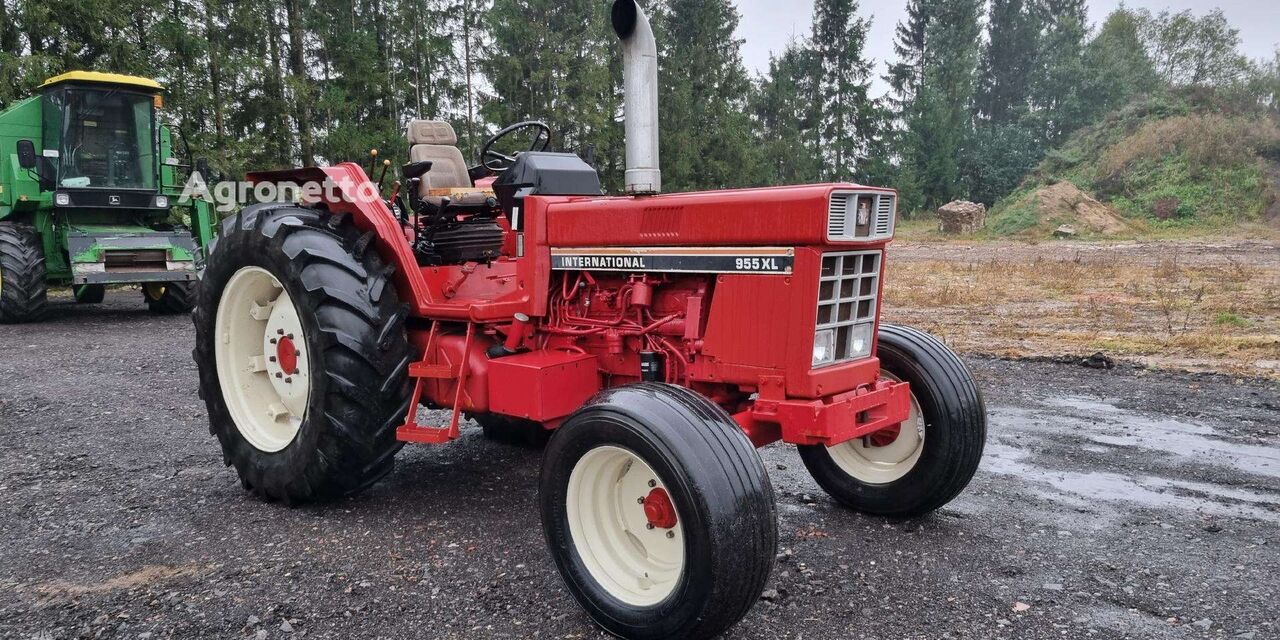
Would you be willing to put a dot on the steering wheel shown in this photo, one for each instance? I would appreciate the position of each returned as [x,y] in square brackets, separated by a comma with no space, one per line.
[499,162]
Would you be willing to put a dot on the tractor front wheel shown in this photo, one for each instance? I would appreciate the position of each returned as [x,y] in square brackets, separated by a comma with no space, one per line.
[89,293]
[23,289]
[923,463]
[169,297]
[658,513]
[303,354]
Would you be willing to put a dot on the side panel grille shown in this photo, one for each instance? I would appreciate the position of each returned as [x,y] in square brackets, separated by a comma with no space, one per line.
[860,216]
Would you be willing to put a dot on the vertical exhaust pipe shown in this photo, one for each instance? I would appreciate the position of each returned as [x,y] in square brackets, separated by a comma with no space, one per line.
[640,84]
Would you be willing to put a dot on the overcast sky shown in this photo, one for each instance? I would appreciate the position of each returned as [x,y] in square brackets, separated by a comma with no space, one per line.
[767,25]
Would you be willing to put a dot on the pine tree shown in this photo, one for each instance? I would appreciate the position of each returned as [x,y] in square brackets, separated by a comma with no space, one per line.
[785,106]
[1008,60]
[706,133]
[1059,72]
[941,122]
[906,76]
[1116,65]
[844,75]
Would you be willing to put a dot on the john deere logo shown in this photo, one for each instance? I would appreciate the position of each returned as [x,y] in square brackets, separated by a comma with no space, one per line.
[113,199]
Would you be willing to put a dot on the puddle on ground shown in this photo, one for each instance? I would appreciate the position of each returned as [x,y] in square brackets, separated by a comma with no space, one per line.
[1106,424]
[1087,489]
[1110,429]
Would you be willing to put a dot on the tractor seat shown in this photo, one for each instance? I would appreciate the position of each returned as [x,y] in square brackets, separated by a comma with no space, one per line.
[435,140]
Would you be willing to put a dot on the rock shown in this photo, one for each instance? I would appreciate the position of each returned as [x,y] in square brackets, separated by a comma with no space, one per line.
[1064,231]
[1203,623]
[1098,360]
[769,595]
[1052,586]
[962,216]
[252,621]
[1021,606]
[286,627]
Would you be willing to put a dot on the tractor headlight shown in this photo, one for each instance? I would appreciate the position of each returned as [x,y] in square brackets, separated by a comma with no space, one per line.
[62,199]
[824,347]
[162,202]
[860,340]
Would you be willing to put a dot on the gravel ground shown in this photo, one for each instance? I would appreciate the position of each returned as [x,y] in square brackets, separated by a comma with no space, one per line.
[1110,504]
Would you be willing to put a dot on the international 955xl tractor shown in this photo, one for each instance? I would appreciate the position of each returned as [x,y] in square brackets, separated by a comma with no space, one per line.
[88,184]
[660,338]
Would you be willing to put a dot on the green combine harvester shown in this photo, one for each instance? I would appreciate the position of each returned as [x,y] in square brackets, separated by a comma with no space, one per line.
[88,188]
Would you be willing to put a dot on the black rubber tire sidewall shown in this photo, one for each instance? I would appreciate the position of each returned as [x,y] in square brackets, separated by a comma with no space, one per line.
[718,585]
[89,293]
[23,283]
[178,298]
[955,431]
[324,461]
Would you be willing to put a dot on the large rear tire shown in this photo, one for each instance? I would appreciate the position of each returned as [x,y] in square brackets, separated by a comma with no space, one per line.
[658,513]
[169,297]
[303,354]
[925,462]
[23,288]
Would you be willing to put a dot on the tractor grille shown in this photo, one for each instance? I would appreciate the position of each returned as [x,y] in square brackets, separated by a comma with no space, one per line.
[860,216]
[847,295]
[136,260]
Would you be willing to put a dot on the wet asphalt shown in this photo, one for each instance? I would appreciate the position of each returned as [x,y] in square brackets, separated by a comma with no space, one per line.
[1121,503]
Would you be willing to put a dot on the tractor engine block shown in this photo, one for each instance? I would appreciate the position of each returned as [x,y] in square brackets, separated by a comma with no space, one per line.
[624,319]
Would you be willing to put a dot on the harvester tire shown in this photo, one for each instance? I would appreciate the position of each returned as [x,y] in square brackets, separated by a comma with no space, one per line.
[658,513]
[23,288]
[947,432]
[169,297]
[353,343]
[513,431]
[89,293]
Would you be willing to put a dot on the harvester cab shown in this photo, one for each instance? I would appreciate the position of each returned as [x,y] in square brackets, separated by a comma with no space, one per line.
[87,195]
[661,338]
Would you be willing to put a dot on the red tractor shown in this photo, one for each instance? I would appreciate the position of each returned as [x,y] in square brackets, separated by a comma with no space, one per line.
[660,338]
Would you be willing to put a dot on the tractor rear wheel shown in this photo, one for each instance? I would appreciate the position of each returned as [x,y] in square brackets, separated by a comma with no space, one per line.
[513,431]
[303,354]
[658,512]
[89,293]
[924,462]
[23,289]
[169,297]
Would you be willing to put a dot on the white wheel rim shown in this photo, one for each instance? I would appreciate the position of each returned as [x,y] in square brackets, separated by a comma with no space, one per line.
[635,563]
[883,464]
[255,326]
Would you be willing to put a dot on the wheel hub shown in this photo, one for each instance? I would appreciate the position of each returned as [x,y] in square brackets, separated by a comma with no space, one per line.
[659,510]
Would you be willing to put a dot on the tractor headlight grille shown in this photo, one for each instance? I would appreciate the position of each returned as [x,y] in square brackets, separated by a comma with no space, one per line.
[860,216]
[847,295]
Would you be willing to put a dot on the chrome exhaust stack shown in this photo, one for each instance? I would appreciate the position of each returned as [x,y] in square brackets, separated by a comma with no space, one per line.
[640,84]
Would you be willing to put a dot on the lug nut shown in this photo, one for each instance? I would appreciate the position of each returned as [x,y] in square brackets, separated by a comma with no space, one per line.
[653,483]
[280,332]
[297,371]
[288,380]
[648,525]
[272,358]
[297,353]
[273,341]
[639,500]
[290,336]
[671,534]
[279,375]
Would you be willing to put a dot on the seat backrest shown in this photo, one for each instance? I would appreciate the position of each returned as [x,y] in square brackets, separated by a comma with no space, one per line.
[435,140]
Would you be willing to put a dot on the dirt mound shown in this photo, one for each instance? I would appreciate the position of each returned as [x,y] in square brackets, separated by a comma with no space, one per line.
[1064,203]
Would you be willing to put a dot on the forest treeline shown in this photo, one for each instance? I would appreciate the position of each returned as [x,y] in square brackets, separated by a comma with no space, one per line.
[979,91]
